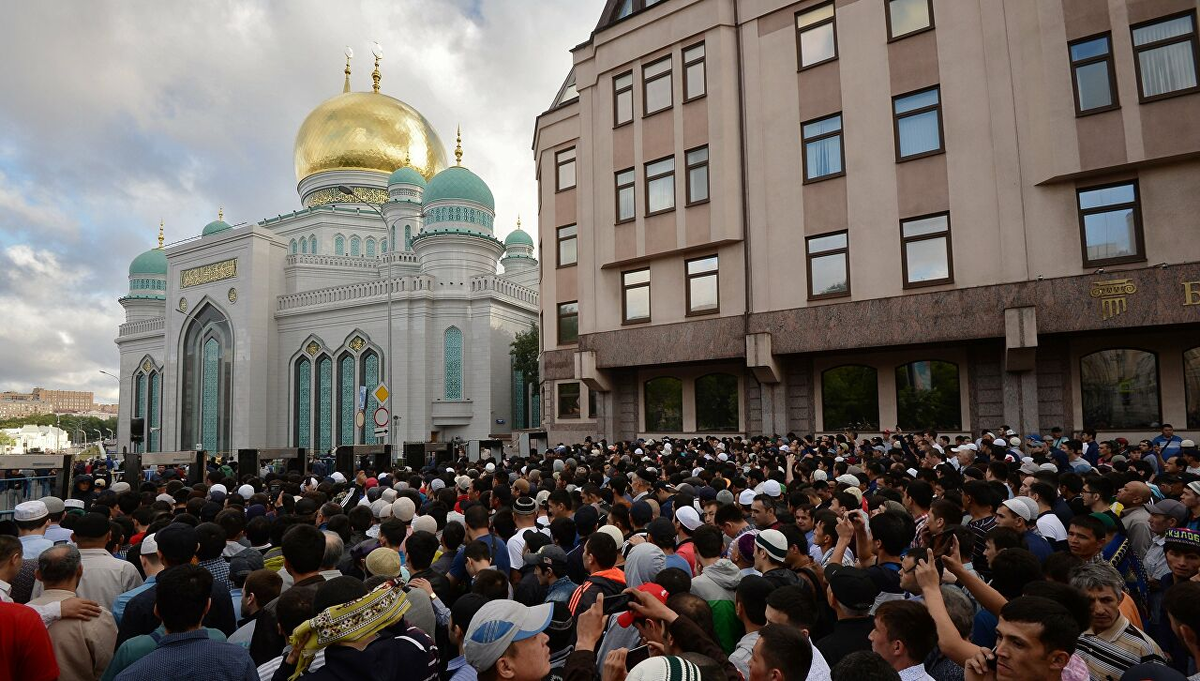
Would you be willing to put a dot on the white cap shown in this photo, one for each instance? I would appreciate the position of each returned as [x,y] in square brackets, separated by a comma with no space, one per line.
[490,467]
[722,456]
[847,479]
[338,477]
[245,492]
[772,489]
[784,448]
[78,503]
[687,516]
[1022,506]
[1187,444]
[121,486]
[149,545]
[1014,442]
[819,475]
[217,488]
[746,497]
[30,511]
[162,497]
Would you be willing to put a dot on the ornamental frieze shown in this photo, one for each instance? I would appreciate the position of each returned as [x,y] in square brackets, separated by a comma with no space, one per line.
[206,274]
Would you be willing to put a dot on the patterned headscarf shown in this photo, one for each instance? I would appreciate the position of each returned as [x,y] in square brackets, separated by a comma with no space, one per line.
[349,622]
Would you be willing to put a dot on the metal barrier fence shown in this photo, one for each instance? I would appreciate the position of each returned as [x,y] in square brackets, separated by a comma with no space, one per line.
[14,491]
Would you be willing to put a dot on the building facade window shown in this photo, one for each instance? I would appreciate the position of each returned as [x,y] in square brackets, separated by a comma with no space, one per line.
[918,124]
[154,437]
[694,85]
[696,161]
[567,238]
[453,361]
[1191,385]
[1110,224]
[324,403]
[850,398]
[312,245]
[207,368]
[828,265]
[355,246]
[568,401]
[339,245]
[663,399]
[370,247]
[717,403]
[370,379]
[295,247]
[304,246]
[823,148]
[626,179]
[346,400]
[927,396]
[816,36]
[568,323]
[703,292]
[635,296]
[1119,389]
[1093,74]
[303,410]
[925,246]
[564,164]
[1165,56]
[906,17]
[656,86]
[660,185]
[623,99]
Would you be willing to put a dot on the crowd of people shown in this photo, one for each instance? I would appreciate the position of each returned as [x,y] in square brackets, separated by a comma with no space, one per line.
[907,556]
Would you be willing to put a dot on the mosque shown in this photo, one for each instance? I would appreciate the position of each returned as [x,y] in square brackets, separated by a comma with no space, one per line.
[278,333]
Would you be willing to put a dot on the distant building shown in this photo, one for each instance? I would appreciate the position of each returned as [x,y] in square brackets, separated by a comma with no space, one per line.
[43,401]
[35,438]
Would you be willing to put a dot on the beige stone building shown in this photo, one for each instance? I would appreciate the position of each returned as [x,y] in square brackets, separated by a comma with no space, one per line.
[762,216]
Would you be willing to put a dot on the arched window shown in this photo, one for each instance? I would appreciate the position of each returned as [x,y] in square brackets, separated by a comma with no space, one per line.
[664,405]
[392,234]
[295,247]
[139,406]
[383,245]
[304,245]
[355,246]
[370,379]
[370,247]
[453,359]
[154,437]
[303,408]
[408,237]
[207,369]
[717,403]
[1191,383]
[927,396]
[339,245]
[850,398]
[324,403]
[1119,389]
[346,400]
[312,244]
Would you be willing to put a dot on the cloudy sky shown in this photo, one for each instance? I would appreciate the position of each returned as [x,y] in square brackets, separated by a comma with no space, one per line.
[118,113]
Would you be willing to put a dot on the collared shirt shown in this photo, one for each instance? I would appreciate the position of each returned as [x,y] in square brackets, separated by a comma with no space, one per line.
[219,569]
[119,603]
[267,669]
[919,536]
[140,646]
[104,578]
[83,648]
[459,670]
[198,655]
[32,546]
[740,657]
[1111,652]
[58,534]
[915,673]
[1155,560]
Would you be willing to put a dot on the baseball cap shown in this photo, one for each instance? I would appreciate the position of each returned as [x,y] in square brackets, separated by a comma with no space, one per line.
[149,545]
[1168,507]
[688,517]
[499,624]
[28,511]
[774,543]
[91,526]
[851,586]
[546,556]
[627,618]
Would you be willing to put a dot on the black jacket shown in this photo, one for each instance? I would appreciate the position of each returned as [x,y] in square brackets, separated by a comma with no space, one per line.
[140,619]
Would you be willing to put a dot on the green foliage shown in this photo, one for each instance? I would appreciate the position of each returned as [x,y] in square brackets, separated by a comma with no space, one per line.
[717,403]
[68,422]
[927,396]
[850,395]
[664,405]
[6,440]
[524,350]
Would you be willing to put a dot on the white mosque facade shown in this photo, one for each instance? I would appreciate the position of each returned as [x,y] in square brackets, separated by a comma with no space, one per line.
[276,333]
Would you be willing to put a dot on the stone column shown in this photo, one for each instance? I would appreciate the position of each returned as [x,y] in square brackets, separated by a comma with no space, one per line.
[1019,378]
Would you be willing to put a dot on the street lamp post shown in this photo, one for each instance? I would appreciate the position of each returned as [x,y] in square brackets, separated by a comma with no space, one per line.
[392,242]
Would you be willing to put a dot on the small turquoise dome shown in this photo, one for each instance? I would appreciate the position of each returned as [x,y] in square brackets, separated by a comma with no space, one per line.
[216,227]
[407,175]
[456,182]
[152,262]
[518,238]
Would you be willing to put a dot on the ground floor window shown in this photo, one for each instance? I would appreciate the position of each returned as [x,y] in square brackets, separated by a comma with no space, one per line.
[568,401]
[1191,382]
[850,398]
[927,396]
[1119,389]
[664,405]
[717,402]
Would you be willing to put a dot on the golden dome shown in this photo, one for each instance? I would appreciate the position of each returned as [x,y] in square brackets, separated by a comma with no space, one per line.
[367,131]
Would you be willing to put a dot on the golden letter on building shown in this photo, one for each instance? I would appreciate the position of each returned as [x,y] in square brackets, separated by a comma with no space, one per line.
[207,274]
[1191,293]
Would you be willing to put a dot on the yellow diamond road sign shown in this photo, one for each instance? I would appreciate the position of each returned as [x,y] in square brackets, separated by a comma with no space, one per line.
[381,394]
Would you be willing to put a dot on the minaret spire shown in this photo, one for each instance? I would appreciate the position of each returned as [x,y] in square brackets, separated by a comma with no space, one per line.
[160,234]
[458,147]
[221,213]
[378,52]
[349,56]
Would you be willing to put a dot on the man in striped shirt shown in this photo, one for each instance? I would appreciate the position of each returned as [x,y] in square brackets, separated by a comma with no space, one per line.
[1113,644]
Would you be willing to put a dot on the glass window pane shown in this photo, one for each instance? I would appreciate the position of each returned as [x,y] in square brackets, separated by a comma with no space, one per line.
[927,260]
[831,124]
[625,177]
[919,133]
[924,226]
[625,204]
[908,16]
[919,100]
[693,53]
[703,292]
[568,400]
[1162,30]
[661,194]
[637,303]
[1110,234]
[823,157]
[814,15]
[664,405]
[817,44]
[658,94]
[1119,389]
[638,277]
[698,184]
[625,9]
[829,275]
[568,322]
[625,106]
[566,155]
[1167,69]
[695,80]
[569,230]
[566,175]
[1106,196]
[1092,83]
[658,167]
[623,81]
[697,156]
[1089,49]
[1191,381]
[717,402]
[702,265]
[927,396]
[827,243]
[566,251]
[850,398]
[657,68]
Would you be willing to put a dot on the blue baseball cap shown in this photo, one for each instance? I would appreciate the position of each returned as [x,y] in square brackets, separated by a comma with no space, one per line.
[498,625]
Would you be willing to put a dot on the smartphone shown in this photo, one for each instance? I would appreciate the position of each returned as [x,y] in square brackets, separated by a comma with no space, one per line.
[618,603]
[992,660]
[635,656]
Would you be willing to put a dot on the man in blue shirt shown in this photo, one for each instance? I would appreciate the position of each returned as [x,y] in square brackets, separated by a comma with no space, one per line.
[1167,444]
[476,518]
[187,651]
[151,565]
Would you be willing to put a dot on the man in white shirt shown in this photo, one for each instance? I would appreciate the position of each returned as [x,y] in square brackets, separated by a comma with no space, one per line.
[104,576]
[904,635]
[10,565]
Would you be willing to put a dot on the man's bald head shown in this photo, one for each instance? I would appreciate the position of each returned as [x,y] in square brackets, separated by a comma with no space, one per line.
[1135,493]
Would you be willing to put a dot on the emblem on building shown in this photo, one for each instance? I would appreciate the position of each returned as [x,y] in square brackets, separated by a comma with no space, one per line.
[1112,294]
[233,295]
[312,348]
[147,366]
[357,344]
[183,304]
[206,274]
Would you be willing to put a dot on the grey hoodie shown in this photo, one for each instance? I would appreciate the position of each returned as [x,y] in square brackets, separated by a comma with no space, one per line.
[718,582]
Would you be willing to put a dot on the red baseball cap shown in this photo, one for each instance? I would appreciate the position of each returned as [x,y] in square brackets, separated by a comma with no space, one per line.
[629,616]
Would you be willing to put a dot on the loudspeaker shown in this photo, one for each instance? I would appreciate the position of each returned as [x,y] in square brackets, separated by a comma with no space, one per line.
[137,429]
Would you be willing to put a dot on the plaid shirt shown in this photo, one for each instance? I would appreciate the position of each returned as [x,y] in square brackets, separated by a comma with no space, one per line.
[219,569]
[1110,653]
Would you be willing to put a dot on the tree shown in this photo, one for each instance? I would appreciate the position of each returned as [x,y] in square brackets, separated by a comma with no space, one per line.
[524,351]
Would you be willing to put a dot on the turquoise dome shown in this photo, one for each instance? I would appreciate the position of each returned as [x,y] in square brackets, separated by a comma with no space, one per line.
[407,175]
[456,182]
[152,262]
[216,227]
[518,238]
